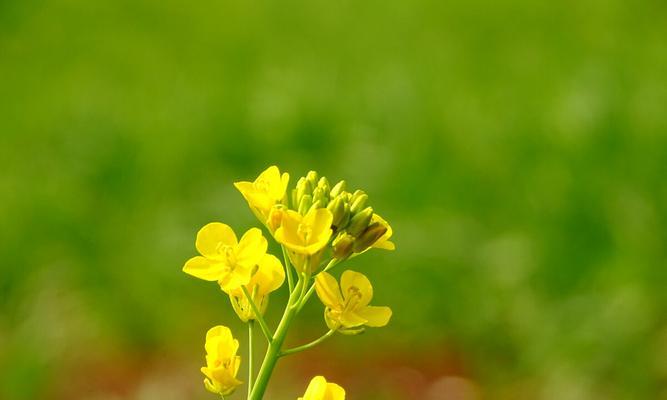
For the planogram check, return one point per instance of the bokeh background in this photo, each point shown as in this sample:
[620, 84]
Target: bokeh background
[518, 148]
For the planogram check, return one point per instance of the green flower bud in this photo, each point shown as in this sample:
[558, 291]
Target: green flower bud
[317, 204]
[303, 187]
[358, 203]
[305, 203]
[340, 212]
[338, 189]
[324, 184]
[369, 237]
[342, 246]
[320, 195]
[312, 177]
[360, 221]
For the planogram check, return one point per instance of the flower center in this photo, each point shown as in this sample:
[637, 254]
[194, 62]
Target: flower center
[227, 251]
[304, 231]
[353, 298]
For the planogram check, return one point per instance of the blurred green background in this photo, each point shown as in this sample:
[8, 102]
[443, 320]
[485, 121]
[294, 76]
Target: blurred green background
[518, 148]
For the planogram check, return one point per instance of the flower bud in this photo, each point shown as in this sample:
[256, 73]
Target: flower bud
[303, 187]
[358, 203]
[342, 246]
[360, 221]
[305, 203]
[323, 183]
[337, 189]
[275, 217]
[369, 237]
[320, 195]
[340, 212]
[316, 204]
[312, 177]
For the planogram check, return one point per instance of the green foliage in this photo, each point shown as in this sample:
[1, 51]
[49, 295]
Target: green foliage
[519, 150]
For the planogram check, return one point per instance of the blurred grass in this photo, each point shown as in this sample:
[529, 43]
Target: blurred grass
[518, 149]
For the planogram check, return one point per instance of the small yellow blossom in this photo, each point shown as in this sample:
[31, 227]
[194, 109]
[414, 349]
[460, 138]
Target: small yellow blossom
[320, 389]
[349, 311]
[383, 242]
[270, 276]
[306, 234]
[222, 363]
[223, 258]
[265, 192]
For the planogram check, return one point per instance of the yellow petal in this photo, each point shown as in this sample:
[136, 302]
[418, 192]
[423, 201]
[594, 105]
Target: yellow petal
[350, 319]
[320, 220]
[235, 279]
[287, 232]
[334, 392]
[383, 242]
[354, 283]
[270, 275]
[251, 248]
[273, 182]
[316, 389]
[203, 268]
[376, 316]
[327, 290]
[216, 335]
[212, 236]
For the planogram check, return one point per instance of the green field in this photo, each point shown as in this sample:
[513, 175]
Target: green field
[519, 150]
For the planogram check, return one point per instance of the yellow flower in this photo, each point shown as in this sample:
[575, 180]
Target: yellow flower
[223, 258]
[320, 389]
[270, 276]
[305, 235]
[349, 312]
[383, 242]
[266, 191]
[222, 363]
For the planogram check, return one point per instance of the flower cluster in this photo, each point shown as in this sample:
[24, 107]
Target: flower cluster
[318, 227]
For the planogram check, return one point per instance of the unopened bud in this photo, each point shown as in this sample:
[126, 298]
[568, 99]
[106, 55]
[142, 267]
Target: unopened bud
[360, 221]
[305, 203]
[317, 204]
[275, 217]
[342, 246]
[337, 189]
[369, 237]
[324, 184]
[339, 211]
[312, 177]
[358, 203]
[303, 187]
[320, 195]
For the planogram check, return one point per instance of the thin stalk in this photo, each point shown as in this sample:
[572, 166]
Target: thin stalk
[288, 270]
[308, 345]
[274, 349]
[251, 324]
[258, 315]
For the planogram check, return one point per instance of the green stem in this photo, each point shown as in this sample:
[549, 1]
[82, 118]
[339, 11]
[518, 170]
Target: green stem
[251, 323]
[258, 315]
[308, 345]
[274, 351]
[288, 270]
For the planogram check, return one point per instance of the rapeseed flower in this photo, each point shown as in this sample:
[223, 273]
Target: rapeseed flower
[348, 311]
[320, 389]
[306, 234]
[269, 276]
[225, 259]
[265, 192]
[222, 363]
